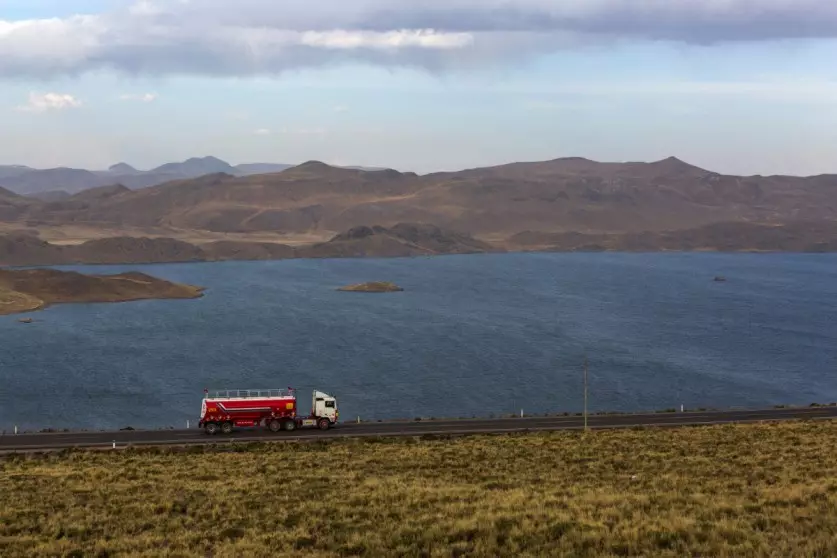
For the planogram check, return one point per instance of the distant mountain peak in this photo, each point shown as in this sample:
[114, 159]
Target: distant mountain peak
[573, 159]
[318, 167]
[197, 166]
[675, 163]
[206, 159]
[122, 168]
[312, 165]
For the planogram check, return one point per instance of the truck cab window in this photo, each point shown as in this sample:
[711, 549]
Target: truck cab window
[329, 404]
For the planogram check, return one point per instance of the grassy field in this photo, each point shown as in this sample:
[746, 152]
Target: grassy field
[745, 490]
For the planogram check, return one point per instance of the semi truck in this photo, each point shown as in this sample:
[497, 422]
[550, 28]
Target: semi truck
[276, 409]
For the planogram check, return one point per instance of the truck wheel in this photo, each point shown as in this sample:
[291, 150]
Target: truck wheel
[274, 425]
[227, 428]
[211, 428]
[290, 425]
[323, 424]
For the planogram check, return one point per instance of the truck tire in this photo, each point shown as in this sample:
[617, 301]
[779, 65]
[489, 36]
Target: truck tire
[290, 425]
[323, 424]
[274, 425]
[211, 428]
[226, 427]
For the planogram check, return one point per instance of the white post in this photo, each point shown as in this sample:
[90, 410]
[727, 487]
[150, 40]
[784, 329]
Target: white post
[521, 413]
[15, 430]
[358, 419]
[187, 424]
[681, 407]
[114, 444]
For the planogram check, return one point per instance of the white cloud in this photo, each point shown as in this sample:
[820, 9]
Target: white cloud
[249, 37]
[49, 101]
[262, 132]
[143, 97]
[404, 38]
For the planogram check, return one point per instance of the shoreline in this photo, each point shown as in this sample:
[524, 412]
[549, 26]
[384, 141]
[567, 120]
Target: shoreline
[24, 291]
[411, 257]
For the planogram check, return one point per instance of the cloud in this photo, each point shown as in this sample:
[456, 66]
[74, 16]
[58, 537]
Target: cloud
[49, 101]
[261, 132]
[144, 97]
[251, 37]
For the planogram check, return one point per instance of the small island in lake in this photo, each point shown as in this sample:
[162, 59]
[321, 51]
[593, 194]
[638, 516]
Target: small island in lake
[26, 290]
[372, 287]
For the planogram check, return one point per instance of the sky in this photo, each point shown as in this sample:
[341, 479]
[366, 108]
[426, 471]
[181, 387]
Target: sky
[734, 86]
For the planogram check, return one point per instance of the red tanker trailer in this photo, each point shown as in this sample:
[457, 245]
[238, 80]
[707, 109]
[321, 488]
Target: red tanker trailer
[275, 408]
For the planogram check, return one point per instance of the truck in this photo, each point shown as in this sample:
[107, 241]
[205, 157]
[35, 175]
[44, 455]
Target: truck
[224, 411]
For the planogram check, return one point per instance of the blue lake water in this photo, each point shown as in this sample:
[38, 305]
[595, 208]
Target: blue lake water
[471, 335]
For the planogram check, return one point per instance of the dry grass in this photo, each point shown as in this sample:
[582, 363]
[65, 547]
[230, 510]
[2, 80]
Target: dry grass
[747, 490]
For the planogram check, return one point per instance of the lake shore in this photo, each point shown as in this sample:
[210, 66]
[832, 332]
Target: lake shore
[29, 290]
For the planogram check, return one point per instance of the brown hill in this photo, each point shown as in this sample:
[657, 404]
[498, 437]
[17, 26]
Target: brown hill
[100, 193]
[51, 196]
[7, 194]
[33, 289]
[14, 207]
[570, 194]
[722, 237]
[405, 239]
[26, 250]
[234, 250]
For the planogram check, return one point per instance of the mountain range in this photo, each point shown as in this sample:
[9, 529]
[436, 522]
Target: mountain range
[60, 183]
[562, 204]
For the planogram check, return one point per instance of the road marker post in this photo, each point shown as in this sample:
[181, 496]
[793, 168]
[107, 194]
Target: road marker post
[187, 424]
[681, 408]
[114, 444]
[15, 430]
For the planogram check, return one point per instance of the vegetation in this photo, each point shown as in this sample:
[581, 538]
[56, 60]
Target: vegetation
[733, 490]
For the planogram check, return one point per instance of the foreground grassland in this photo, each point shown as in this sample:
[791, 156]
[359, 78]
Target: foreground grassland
[754, 490]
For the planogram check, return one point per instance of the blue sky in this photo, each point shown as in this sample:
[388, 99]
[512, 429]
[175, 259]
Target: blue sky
[445, 85]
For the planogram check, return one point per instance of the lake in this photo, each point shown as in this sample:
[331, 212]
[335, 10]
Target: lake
[470, 336]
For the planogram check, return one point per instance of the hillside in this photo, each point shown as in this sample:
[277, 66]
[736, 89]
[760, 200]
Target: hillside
[721, 237]
[13, 207]
[403, 240]
[33, 289]
[563, 195]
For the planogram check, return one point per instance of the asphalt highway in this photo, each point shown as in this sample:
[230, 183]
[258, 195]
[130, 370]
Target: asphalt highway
[55, 441]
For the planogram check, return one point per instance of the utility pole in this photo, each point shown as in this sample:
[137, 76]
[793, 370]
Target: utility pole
[585, 393]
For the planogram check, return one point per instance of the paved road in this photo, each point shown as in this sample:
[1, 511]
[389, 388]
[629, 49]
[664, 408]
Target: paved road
[52, 441]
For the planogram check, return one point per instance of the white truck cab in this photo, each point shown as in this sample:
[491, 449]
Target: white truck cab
[324, 406]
